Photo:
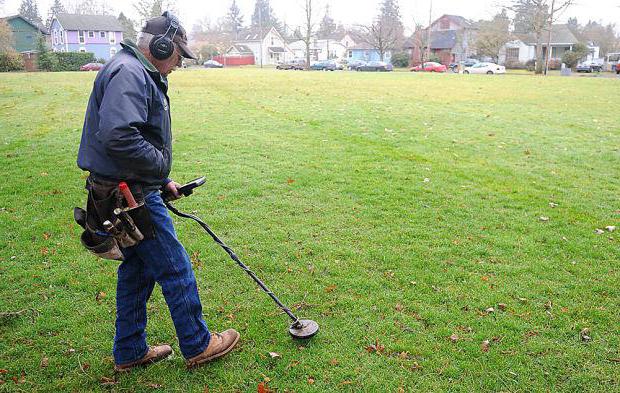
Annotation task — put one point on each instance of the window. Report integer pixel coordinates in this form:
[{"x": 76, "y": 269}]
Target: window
[
  {"x": 81, "y": 39},
  {"x": 91, "y": 34},
  {"x": 272, "y": 41},
  {"x": 112, "y": 36},
  {"x": 512, "y": 53},
  {"x": 102, "y": 34},
  {"x": 55, "y": 37},
  {"x": 444, "y": 24},
  {"x": 62, "y": 35},
  {"x": 350, "y": 53},
  {"x": 82, "y": 49},
  {"x": 112, "y": 52}
]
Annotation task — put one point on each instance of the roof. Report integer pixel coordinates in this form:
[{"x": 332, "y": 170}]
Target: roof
[
  {"x": 276, "y": 49},
  {"x": 454, "y": 18},
  {"x": 445, "y": 39},
  {"x": 254, "y": 34},
  {"x": 241, "y": 48},
  {"x": 560, "y": 34},
  {"x": 89, "y": 22},
  {"x": 37, "y": 26}
]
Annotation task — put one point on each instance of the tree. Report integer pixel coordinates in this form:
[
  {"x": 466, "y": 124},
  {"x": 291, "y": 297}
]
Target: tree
[
  {"x": 386, "y": 32},
  {"x": 129, "y": 30},
  {"x": 30, "y": 10},
  {"x": 6, "y": 37},
  {"x": 537, "y": 17},
  {"x": 493, "y": 35},
  {"x": 328, "y": 27},
  {"x": 10, "y": 60},
  {"x": 264, "y": 16},
  {"x": 56, "y": 8},
  {"x": 603, "y": 36},
  {"x": 234, "y": 19},
  {"x": 308, "y": 28},
  {"x": 573, "y": 57},
  {"x": 148, "y": 9}
]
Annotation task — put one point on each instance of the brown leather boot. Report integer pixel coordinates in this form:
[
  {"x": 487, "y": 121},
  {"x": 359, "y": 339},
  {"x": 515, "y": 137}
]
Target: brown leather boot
[
  {"x": 155, "y": 354},
  {"x": 220, "y": 345}
]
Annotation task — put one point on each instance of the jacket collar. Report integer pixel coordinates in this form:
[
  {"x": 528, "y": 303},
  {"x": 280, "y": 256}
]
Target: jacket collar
[{"x": 132, "y": 48}]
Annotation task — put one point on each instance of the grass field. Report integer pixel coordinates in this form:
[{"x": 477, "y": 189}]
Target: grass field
[{"x": 394, "y": 209}]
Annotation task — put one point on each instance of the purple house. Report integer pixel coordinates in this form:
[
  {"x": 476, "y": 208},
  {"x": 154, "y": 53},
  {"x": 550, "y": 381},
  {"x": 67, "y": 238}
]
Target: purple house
[{"x": 99, "y": 34}]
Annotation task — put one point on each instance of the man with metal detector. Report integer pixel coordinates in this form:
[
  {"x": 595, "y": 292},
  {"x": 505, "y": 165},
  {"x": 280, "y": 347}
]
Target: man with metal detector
[{"x": 126, "y": 147}]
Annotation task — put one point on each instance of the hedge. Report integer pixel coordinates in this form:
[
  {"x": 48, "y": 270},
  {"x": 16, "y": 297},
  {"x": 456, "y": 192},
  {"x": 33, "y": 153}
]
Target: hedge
[
  {"x": 65, "y": 61},
  {"x": 11, "y": 61}
]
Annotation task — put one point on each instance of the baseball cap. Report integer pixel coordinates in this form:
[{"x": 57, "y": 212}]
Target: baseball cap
[{"x": 159, "y": 26}]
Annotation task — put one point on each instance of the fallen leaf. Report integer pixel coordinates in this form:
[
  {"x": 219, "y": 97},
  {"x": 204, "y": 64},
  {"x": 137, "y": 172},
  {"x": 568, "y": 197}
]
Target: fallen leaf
[
  {"x": 543, "y": 219},
  {"x": 553, "y": 205},
  {"x": 489, "y": 310},
  {"x": 334, "y": 362},
  {"x": 585, "y": 334},
  {"x": 484, "y": 278},
  {"x": 44, "y": 362},
  {"x": 485, "y": 346},
  {"x": 376, "y": 347},
  {"x": 274, "y": 355},
  {"x": 310, "y": 380},
  {"x": 153, "y": 385},
  {"x": 3, "y": 371},
  {"x": 46, "y": 235},
  {"x": 610, "y": 228},
  {"x": 427, "y": 180},
  {"x": 599, "y": 231},
  {"x": 21, "y": 379},
  {"x": 85, "y": 367},
  {"x": 454, "y": 338},
  {"x": 99, "y": 296},
  {"x": 262, "y": 388},
  {"x": 399, "y": 307},
  {"x": 416, "y": 366},
  {"x": 347, "y": 382},
  {"x": 290, "y": 181},
  {"x": 330, "y": 288},
  {"x": 501, "y": 306}
]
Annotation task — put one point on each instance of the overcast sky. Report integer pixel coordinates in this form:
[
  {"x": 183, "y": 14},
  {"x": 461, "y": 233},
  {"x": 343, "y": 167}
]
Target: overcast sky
[{"x": 351, "y": 11}]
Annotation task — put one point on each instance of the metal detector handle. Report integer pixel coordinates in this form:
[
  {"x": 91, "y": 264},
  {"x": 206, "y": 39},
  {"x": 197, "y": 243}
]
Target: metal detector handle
[{"x": 186, "y": 189}]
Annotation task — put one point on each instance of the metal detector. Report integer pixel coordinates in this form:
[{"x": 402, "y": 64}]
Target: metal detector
[{"x": 301, "y": 328}]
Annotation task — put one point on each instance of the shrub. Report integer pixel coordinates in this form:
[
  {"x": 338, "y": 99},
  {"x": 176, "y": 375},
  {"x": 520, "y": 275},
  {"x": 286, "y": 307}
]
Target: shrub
[
  {"x": 48, "y": 61},
  {"x": 72, "y": 61},
  {"x": 555, "y": 64},
  {"x": 400, "y": 59},
  {"x": 515, "y": 65},
  {"x": 530, "y": 65},
  {"x": 11, "y": 61},
  {"x": 434, "y": 59}
]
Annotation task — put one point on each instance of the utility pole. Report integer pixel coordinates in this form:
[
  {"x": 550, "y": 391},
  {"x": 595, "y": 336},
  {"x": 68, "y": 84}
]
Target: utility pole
[
  {"x": 428, "y": 37},
  {"x": 260, "y": 27}
]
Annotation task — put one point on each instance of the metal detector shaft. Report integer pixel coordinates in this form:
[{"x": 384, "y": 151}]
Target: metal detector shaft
[{"x": 234, "y": 257}]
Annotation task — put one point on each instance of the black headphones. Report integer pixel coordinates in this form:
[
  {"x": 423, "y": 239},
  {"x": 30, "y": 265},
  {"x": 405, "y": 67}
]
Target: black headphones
[{"x": 161, "y": 46}]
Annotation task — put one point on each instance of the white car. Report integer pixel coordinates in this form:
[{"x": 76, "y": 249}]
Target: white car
[{"x": 485, "y": 68}]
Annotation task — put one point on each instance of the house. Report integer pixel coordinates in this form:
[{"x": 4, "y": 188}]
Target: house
[
  {"x": 523, "y": 48},
  {"x": 324, "y": 48},
  {"x": 359, "y": 49},
  {"x": 451, "y": 40},
  {"x": 236, "y": 55},
  {"x": 268, "y": 46},
  {"x": 26, "y": 39},
  {"x": 98, "y": 34}
]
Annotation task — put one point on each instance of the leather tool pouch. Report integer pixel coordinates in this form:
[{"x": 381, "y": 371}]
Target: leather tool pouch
[{"x": 108, "y": 224}]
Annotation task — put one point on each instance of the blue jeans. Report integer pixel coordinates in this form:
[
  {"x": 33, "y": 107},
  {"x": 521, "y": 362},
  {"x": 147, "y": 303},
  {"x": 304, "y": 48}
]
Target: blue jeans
[{"x": 165, "y": 261}]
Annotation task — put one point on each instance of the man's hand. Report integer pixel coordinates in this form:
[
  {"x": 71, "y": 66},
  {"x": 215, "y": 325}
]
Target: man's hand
[{"x": 172, "y": 189}]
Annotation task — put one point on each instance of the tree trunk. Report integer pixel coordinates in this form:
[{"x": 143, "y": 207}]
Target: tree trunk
[{"x": 539, "y": 54}]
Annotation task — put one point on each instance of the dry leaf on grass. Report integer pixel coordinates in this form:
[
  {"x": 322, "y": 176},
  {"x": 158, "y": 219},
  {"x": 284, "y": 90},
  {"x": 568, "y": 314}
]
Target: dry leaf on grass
[
  {"x": 486, "y": 344},
  {"x": 376, "y": 347},
  {"x": 330, "y": 288},
  {"x": 44, "y": 362},
  {"x": 454, "y": 338},
  {"x": 274, "y": 355},
  {"x": 334, "y": 362},
  {"x": 105, "y": 381},
  {"x": 310, "y": 380}
]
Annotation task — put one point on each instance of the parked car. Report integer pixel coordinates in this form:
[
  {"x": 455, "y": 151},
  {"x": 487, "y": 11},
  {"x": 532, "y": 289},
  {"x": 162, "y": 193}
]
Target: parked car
[
  {"x": 463, "y": 64},
  {"x": 485, "y": 68},
  {"x": 376, "y": 66},
  {"x": 296, "y": 64},
  {"x": 618, "y": 68},
  {"x": 589, "y": 66},
  {"x": 353, "y": 64},
  {"x": 430, "y": 66},
  {"x": 213, "y": 64},
  {"x": 91, "y": 67},
  {"x": 326, "y": 65}
]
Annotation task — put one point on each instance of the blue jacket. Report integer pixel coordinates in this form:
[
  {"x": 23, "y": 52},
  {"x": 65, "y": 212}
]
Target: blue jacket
[{"x": 126, "y": 134}]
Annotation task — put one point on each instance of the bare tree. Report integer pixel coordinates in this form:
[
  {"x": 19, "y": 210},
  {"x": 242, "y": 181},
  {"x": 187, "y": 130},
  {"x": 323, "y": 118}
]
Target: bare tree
[
  {"x": 148, "y": 9},
  {"x": 386, "y": 32},
  {"x": 493, "y": 35},
  {"x": 538, "y": 16},
  {"x": 308, "y": 28},
  {"x": 557, "y": 7}
]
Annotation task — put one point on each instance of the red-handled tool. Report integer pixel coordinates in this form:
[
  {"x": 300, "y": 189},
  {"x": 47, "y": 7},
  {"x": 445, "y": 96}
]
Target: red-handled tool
[{"x": 124, "y": 188}]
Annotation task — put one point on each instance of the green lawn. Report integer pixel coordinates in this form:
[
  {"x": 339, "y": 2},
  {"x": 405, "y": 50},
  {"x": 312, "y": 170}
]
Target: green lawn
[{"x": 394, "y": 209}]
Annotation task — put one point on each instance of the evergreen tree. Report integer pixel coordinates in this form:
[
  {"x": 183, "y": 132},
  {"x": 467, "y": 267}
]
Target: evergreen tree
[
  {"x": 30, "y": 10},
  {"x": 55, "y": 9},
  {"x": 264, "y": 13},
  {"x": 327, "y": 28},
  {"x": 234, "y": 19},
  {"x": 390, "y": 17},
  {"x": 129, "y": 30}
]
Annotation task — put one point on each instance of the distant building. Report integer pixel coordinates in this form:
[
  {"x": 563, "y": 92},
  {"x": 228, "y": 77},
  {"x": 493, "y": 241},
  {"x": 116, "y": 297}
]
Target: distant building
[
  {"x": 523, "y": 48},
  {"x": 451, "y": 40},
  {"x": 26, "y": 39},
  {"x": 268, "y": 47},
  {"x": 99, "y": 34}
]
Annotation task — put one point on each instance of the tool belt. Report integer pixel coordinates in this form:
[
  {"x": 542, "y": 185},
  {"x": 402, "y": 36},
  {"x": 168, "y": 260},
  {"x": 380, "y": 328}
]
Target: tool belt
[{"x": 109, "y": 225}]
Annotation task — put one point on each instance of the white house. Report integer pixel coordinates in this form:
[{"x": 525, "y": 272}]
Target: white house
[
  {"x": 320, "y": 49},
  {"x": 563, "y": 39},
  {"x": 269, "y": 48}
]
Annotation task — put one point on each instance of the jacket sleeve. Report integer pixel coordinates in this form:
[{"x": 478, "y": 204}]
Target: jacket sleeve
[{"x": 124, "y": 109}]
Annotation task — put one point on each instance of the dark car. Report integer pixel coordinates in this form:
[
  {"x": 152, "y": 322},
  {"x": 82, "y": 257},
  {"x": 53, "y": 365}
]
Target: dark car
[
  {"x": 213, "y": 64},
  {"x": 91, "y": 67},
  {"x": 376, "y": 66},
  {"x": 292, "y": 65},
  {"x": 328, "y": 65},
  {"x": 353, "y": 64},
  {"x": 618, "y": 68},
  {"x": 454, "y": 67}
]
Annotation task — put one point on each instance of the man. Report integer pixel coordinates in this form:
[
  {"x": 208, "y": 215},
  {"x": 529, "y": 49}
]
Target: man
[{"x": 127, "y": 137}]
